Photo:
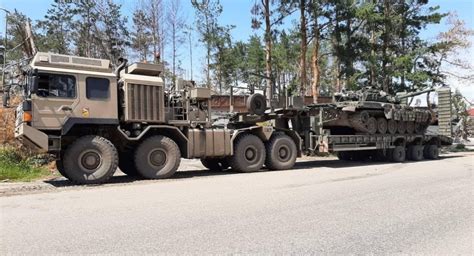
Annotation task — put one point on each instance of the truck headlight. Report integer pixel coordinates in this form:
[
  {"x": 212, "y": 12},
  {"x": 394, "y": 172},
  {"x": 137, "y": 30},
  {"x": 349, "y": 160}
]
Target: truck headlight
[{"x": 27, "y": 117}]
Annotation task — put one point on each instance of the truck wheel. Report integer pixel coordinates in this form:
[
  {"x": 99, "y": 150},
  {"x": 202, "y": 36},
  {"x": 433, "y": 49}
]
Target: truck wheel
[
  {"x": 392, "y": 126},
  {"x": 281, "y": 152},
  {"x": 127, "y": 163},
  {"x": 90, "y": 159},
  {"x": 344, "y": 155},
  {"x": 382, "y": 125},
  {"x": 415, "y": 152},
  {"x": 431, "y": 152},
  {"x": 60, "y": 168},
  {"x": 249, "y": 154},
  {"x": 215, "y": 164},
  {"x": 157, "y": 157},
  {"x": 398, "y": 154}
]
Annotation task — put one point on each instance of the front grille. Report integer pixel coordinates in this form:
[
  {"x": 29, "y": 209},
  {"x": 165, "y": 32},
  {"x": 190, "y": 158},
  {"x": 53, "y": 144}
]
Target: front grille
[
  {"x": 144, "y": 103},
  {"x": 19, "y": 115}
]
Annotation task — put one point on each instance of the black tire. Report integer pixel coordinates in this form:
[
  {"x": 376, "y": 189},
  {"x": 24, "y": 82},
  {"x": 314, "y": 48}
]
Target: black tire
[
  {"x": 392, "y": 126},
  {"x": 127, "y": 163},
  {"x": 157, "y": 157},
  {"x": 344, "y": 155},
  {"x": 249, "y": 154},
  {"x": 415, "y": 152},
  {"x": 90, "y": 160},
  {"x": 382, "y": 125},
  {"x": 60, "y": 168},
  {"x": 281, "y": 152},
  {"x": 431, "y": 152},
  {"x": 215, "y": 164},
  {"x": 371, "y": 125},
  {"x": 256, "y": 104},
  {"x": 398, "y": 154}
]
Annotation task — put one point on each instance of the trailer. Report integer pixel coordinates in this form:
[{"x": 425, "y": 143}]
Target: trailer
[{"x": 95, "y": 120}]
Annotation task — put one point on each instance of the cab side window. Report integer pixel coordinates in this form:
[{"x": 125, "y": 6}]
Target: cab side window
[
  {"x": 55, "y": 85},
  {"x": 97, "y": 88}
]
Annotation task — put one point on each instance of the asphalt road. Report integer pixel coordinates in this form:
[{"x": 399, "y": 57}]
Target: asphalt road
[{"x": 324, "y": 207}]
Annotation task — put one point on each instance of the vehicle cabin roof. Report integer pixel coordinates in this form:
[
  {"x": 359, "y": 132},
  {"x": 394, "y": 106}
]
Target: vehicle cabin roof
[{"x": 53, "y": 60}]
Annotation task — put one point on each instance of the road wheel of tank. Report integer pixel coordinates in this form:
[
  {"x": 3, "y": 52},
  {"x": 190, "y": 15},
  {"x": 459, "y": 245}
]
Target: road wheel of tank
[
  {"x": 410, "y": 126},
  {"x": 90, "y": 159},
  {"x": 249, "y": 154},
  {"x": 431, "y": 152},
  {"x": 382, "y": 125},
  {"x": 420, "y": 128},
  {"x": 215, "y": 164},
  {"x": 127, "y": 163},
  {"x": 392, "y": 126},
  {"x": 256, "y": 104},
  {"x": 401, "y": 127},
  {"x": 398, "y": 154},
  {"x": 157, "y": 157},
  {"x": 415, "y": 152},
  {"x": 281, "y": 152},
  {"x": 371, "y": 125}
]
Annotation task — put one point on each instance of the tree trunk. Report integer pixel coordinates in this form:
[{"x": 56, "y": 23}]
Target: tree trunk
[
  {"x": 316, "y": 69},
  {"x": 268, "y": 51},
  {"x": 385, "y": 46},
  {"x": 304, "y": 47}
]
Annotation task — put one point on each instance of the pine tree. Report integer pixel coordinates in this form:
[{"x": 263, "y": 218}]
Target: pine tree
[
  {"x": 57, "y": 25},
  {"x": 141, "y": 35}
]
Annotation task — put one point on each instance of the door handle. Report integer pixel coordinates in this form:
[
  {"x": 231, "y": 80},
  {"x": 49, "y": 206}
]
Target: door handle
[{"x": 65, "y": 108}]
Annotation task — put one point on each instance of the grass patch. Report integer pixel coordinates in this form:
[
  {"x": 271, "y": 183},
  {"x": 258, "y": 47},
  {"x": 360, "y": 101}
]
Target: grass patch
[{"x": 16, "y": 165}]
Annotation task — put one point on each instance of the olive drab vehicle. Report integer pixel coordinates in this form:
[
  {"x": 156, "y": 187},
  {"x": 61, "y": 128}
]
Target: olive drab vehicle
[
  {"x": 95, "y": 120},
  {"x": 372, "y": 111}
]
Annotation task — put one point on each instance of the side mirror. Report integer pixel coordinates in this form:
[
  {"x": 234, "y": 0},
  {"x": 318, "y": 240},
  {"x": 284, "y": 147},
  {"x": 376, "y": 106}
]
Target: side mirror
[{"x": 34, "y": 84}]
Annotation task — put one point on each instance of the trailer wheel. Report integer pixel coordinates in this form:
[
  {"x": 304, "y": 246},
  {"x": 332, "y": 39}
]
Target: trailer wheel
[
  {"x": 398, "y": 154},
  {"x": 127, "y": 163},
  {"x": 392, "y": 126},
  {"x": 415, "y": 152},
  {"x": 344, "y": 155},
  {"x": 90, "y": 159},
  {"x": 249, "y": 154},
  {"x": 281, "y": 152},
  {"x": 382, "y": 125},
  {"x": 431, "y": 152},
  {"x": 215, "y": 164},
  {"x": 157, "y": 157}
]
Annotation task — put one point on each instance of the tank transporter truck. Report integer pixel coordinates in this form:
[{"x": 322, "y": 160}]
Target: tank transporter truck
[{"x": 94, "y": 119}]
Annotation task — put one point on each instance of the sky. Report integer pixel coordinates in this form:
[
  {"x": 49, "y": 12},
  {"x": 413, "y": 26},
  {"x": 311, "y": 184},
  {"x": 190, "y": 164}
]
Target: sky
[{"x": 237, "y": 13}]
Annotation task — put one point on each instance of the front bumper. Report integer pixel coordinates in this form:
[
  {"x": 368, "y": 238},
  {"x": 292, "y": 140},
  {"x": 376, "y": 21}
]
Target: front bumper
[{"x": 32, "y": 138}]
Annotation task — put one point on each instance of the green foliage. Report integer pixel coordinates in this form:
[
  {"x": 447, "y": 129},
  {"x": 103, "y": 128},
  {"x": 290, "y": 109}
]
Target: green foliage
[{"x": 16, "y": 165}]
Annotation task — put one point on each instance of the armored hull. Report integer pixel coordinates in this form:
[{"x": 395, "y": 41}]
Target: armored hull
[{"x": 374, "y": 112}]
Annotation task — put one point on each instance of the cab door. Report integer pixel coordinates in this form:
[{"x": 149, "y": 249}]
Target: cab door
[{"x": 55, "y": 100}]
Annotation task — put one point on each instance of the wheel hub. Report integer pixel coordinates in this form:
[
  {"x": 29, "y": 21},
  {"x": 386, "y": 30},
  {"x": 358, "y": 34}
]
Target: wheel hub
[
  {"x": 283, "y": 153},
  {"x": 90, "y": 160},
  {"x": 250, "y": 154},
  {"x": 157, "y": 157}
]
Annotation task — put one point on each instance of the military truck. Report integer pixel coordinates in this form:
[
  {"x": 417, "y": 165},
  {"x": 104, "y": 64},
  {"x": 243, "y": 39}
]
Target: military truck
[{"x": 94, "y": 119}]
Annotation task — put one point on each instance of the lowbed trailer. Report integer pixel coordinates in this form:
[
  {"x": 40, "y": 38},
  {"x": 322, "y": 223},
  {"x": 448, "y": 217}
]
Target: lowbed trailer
[{"x": 95, "y": 120}]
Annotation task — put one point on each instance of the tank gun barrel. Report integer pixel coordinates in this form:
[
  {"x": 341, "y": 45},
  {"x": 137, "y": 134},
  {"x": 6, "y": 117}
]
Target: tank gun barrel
[{"x": 412, "y": 94}]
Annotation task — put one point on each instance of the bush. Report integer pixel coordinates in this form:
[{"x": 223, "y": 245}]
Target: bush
[{"x": 20, "y": 165}]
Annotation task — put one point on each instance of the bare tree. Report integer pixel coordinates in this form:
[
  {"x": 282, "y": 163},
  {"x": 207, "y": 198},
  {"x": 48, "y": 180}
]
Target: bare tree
[
  {"x": 176, "y": 25},
  {"x": 156, "y": 12}
]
